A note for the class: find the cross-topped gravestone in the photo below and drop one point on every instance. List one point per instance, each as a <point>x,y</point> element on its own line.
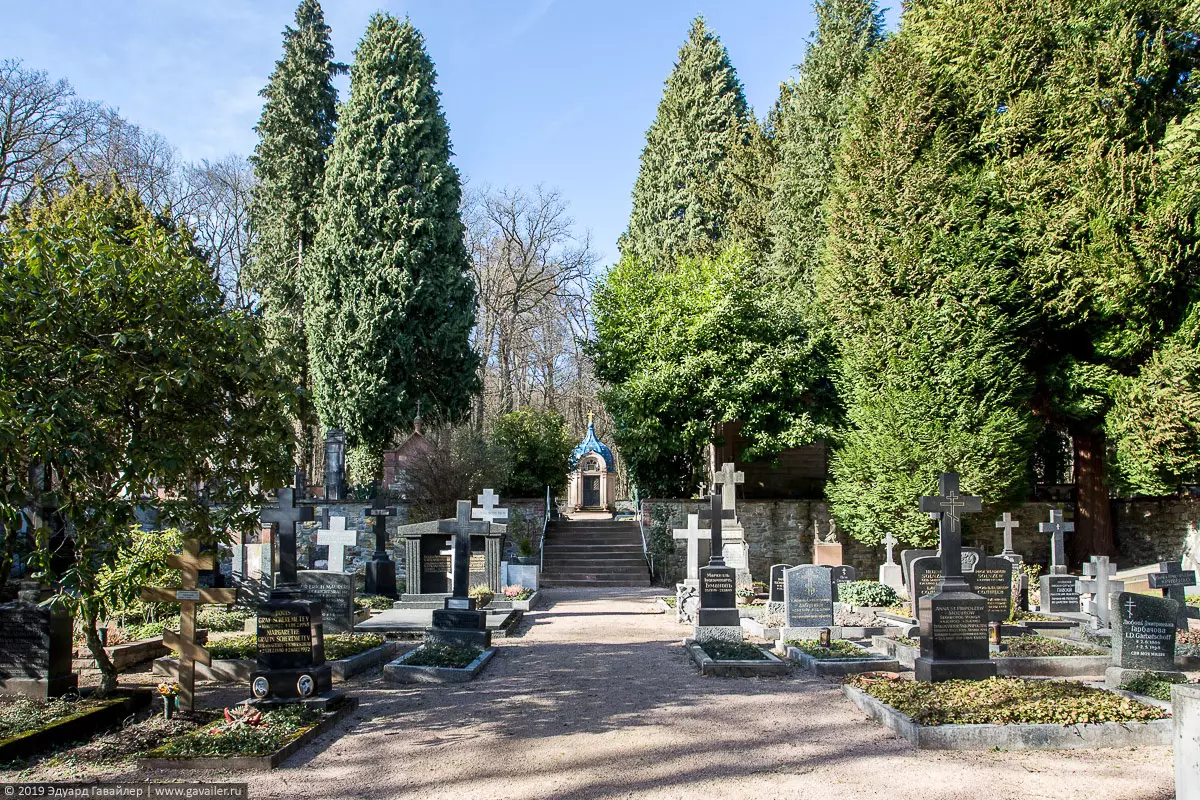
<point>1007,523</point>
<point>460,622</point>
<point>889,542</point>
<point>1171,579</point>
<point>890,573</point>
<point>1056,528</point>
<point>286,516</point>
<point>337,538</point>
<point>693,534</point>
<point>381,570</point>
<point>491,512</point>
<point>728,479</point>
<point>954,620</point>
<point>717,617</point>
<point>1098,584</point>
<point>189,564</point>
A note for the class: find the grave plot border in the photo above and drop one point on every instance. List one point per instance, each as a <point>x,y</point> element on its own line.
<point>399,672</point>
<point>74,728</point>
<point>238,670</point>
<point>871,662</point>
<point>771,666</point>
<point>254,763</point>
<point>1012,737</point>
<point>754,627</point>
<point>904,654</point>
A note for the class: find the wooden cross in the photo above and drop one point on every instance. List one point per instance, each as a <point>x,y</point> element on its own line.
<point>337,539</point>
<point>728,479</point>
<point>693,534</point>
<point>188,596</point>
<point>1056,527</point>
<point>1007,523</point>
<point>489,513</point>
<point>950,505</point>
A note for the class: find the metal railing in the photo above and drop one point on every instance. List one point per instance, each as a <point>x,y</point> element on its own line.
<point>542,543</point>
<point>637,505</point>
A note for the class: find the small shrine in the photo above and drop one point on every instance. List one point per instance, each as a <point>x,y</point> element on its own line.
<point>592,484</point>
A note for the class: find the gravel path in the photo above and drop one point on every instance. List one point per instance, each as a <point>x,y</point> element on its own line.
<point>598,700</point>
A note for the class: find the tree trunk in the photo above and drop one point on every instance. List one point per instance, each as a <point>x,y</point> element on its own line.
<point>108,673</point>
<point>1093,534</point>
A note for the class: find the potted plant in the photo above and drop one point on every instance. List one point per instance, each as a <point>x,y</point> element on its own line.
<point>525,554</point>
<point>482,593</point>
<point>745,596</point>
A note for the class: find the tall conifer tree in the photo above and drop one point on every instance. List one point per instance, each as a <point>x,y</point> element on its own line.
<point>295,132</point>
<point>684,191</point>
<point>390,301</point>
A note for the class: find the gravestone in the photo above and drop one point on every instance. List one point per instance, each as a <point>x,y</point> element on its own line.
<point>775,599</point>
<point>335,592</point>
<point>460,622</point>
<point>335,465</point>
<point>337,538</point>
<point>1060,594</point>
<point>717,618</point>
<point>1097,588</point>
<point>431,553</point>
<point>1172,580</point>
<point>1007,523</point>
<point>808,596</point>
<point>381,569</point>
<point>954,620</point>
<point>1056,527</point>
<point>1143,636</point>
<point>992,580</point>
<point>890,573</point>
<point>841,574</point>
<point>35,651</point>
<point>437,564</point>
<point>931,571</point>
<point>693,534</point>
<point>490,510</point>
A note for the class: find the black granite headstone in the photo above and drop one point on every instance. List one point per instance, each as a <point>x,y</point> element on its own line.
<point>1172,579</point>
<point>777,571</point>
<point>808,597</point>
<point>335,591</point>
<point>436,564</point>
<point>35,651</point>
<point>1060,594</point>
<point>992,580</point>
<point>842,574</point>
<point>477,570</point>
<point>718,597</point>
<point>1143,632</point>
<point>288,635</point>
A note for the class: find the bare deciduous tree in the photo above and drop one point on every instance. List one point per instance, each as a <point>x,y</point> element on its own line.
<point>216,207</point>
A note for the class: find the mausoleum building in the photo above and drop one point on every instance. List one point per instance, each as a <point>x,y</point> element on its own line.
<point>592,484</point>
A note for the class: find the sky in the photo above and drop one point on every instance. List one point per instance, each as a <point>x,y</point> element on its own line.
<point>551,92</point>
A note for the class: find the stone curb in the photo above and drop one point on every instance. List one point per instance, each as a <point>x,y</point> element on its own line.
<point>74,728</point>
<point>904,654</point>
<point>1012,737</point>
<point>1053,666</point>
<point>399,672</point>
<point>870,663</point>
<point>755,628</point>
<point>771,666</point>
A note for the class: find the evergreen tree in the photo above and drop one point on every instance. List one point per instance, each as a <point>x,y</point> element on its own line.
<point>684,191</point>
<point>390,301</point>
<point>295,132</point>
<point>812,111</point>
<point>1012,239</point>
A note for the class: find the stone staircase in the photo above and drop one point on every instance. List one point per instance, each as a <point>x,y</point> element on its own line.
<point>594,553</point>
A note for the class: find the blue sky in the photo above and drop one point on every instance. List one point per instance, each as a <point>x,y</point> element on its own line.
<point>557,92</point>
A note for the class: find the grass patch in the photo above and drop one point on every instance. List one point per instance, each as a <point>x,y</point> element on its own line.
<point>443,655</point>
<point>1151,685</point>
<point>1004,701</point>
<point>344,645</point>
<point>909,641</point>
<point>234,647</point>
<point>375,602</point>
<point>20,714</point>
<point>1018,615</point>
<point>670,600</point>
<point>1033,646</point>
<point>729,651</point>
<point>838,650</point>
<point>278,727</point>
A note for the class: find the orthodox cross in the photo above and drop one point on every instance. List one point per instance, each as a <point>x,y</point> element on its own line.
<point>889,542</point>
<point>1098,574</point>
<point>286,516</point>
<point>188,596</point>
<point>728,479</point>
<point>951,505</point>
<point>1129,607</point>
<point>380,511</point>
<point>1171,579</point>
<point>337,539</point>
<point>490,512</point>
<point>693,534</point>
<point>1007,523</point>
<point>1056,528</point>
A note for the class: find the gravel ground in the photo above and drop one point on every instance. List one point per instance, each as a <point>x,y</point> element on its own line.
<point>597,699</point>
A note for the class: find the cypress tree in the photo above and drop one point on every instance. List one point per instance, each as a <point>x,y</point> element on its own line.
<point>684,191</point>
<point>812,111</point>
<point>295,132</point>
<point>390,301</point>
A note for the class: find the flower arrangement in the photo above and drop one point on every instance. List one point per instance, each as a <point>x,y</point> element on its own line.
<point>169,691</point>
<point>517,592</point>
<point>482,593</point>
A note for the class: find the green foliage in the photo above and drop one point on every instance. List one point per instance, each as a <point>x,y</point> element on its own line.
<point>867,593</point>
<point>123,373</point>
<point>390,302</point>
<point>443,655</point>
<point>376,602</point>
<point>278,727</point>
<point>141,560</point>
<point>682,350</point>
<point>482,593</point>
<point>345,645</point>
<point>538,449</point>
<point>234,647</point>
<point>684,190</point>
<point>660,542</point>
<point>1005,701</point>
<point>838,650</point>
<point>1033,646</point>
<point>730,651</point>
<point>295,132</point>
<point>19,714</point>
<point>1153,685</point>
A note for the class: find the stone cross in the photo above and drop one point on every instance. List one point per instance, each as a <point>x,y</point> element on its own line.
<point>287,515</point>
<point>728,479</point>
<point>380,511</point>
<point>490,512</point>
<point>716,521</point>
<point>951,505</point>
<point>889,542</point>
<point>188,597</point>
<point>337,538</point>
<point>462,548</point>
<point>1098,583</point>
<point>1007,523</point>
<point>1171,579</point>
<point>693,534</point>
<point>1056,528</point>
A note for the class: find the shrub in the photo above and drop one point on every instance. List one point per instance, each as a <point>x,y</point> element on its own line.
<point>867,593</point>
<point>517,592</point>
<point>234,647</point>
<point>1152,685</point>
<point>375,602</point>
<point>220,620</point>
<point>730,651</point>
<point>538,450</point>
<point>443,655</point>
<point>344,645</point>
<point>482,593</point>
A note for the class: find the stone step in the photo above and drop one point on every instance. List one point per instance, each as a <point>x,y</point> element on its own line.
<point>611,577</point>
<point>609,558</point>
<point>558,583</point>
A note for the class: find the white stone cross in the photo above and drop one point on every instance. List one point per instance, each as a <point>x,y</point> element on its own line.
<point>1099,584</point>
<point>489,513</point>
<point>1007,523</point>
<point>728,479</point>
<point>338,539</point>
<point>693,533</point>
<point>889,542</point>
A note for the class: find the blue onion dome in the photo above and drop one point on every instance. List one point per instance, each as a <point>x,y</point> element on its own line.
<point>591,444</point>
